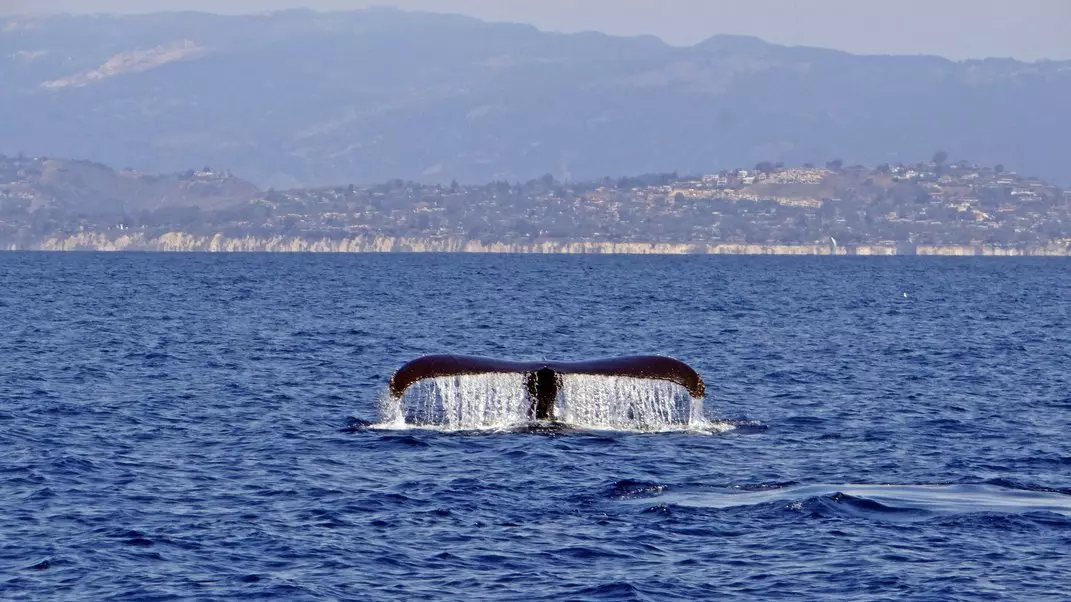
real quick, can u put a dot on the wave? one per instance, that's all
(886, 502)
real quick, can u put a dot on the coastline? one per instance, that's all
(178, 242)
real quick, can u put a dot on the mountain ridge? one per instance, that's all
(300, 98)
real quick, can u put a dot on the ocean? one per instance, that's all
(214, 427)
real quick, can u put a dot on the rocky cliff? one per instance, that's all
(184, 242)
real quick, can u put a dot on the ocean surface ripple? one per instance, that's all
(203, 427)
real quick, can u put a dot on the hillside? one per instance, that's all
(55, 204)
(300, 99)
(41, 195)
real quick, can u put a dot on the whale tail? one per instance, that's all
(544, 378)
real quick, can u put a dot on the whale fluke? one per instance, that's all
(544, 378)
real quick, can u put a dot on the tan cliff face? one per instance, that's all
(184, 242)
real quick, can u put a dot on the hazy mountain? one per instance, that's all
(300, 98)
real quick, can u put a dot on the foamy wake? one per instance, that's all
(500, 402)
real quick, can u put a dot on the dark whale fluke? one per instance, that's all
(544, 378)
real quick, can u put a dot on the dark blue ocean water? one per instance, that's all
(195, 427)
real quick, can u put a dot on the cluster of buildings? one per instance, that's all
(926, 203)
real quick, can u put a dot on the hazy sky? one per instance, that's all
(1025, 29)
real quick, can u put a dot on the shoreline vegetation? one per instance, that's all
(181, 242)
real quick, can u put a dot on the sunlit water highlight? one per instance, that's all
(500, 402)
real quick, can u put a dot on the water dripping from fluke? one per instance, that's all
(461, 393)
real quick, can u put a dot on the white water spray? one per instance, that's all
(472, 402)
(620, 403)
(501, 401)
